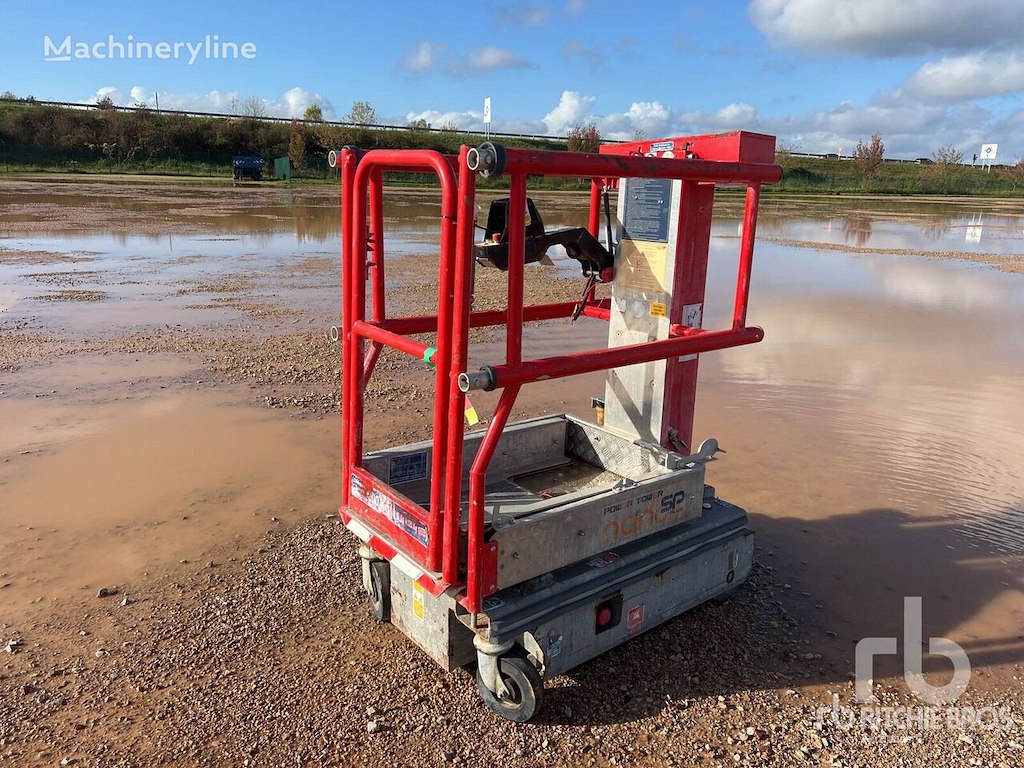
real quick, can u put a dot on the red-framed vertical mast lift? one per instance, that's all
(461, 548)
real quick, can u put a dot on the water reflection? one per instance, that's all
(907, 368)
(974, 230)
(923, 229)
(857, 229)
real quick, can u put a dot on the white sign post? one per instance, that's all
(487, 117)
(988, 154)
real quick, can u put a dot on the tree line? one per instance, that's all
(41, 136)
(48, 136)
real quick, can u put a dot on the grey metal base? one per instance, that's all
(555, 617)
(599, 538)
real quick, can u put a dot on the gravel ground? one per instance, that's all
(272, 659)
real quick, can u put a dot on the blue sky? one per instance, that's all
(820, 74)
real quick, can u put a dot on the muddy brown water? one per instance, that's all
(874, 435)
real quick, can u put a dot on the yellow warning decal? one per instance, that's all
(642, 265)
(472, 417)
(658, 309)
(417, 600)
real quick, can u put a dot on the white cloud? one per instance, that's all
(466, 120)
(491, 57)
(974, 75)
(888, 28)
(575, 7)
(296, 100)
(909, 129)
(651, 117)
(421, 57)
(909, 126)
(473, 120)
(572, 108)
(426, 56)
(292, 103)
(106, 92)
(523, 14)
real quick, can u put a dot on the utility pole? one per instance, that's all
(157, 95)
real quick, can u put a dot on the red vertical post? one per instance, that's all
(475, 588)
(739, 309)
(376, 242)
(347, 171)
(442, 364)
(375, 248)
(516, 263)
(357, 312)
(594, 222)
(462, 279)
(693, 237)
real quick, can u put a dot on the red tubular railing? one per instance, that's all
(551, 163)
(362, 178)
(371, 166)
(475, 589)
(600, 310)
(482, 319)
(349, 158)
(382, 336)
(516, 263)
(375, 244)
(615, 357)
(739, 307)
(460, 312)
(594, 220)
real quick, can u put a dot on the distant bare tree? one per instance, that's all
(787, 147)
(584, 138)
(313, 113)
(639, 134)
(254, 106)
(869, 157)
(105, 103)
(784, 152)
(234, 106)
(449, 126)
(949, 155)
(946, 163)
(419, 125)
(7, 96)
(362, 113)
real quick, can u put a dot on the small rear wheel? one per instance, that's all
(525, 688)
(380, 590)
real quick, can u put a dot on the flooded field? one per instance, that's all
(168, 395)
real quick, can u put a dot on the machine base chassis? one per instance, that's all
(561, 619)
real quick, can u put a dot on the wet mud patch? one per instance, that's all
(1002, 261)
(15, 256)
(72, 294)
(64, 278)
(228, 284)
